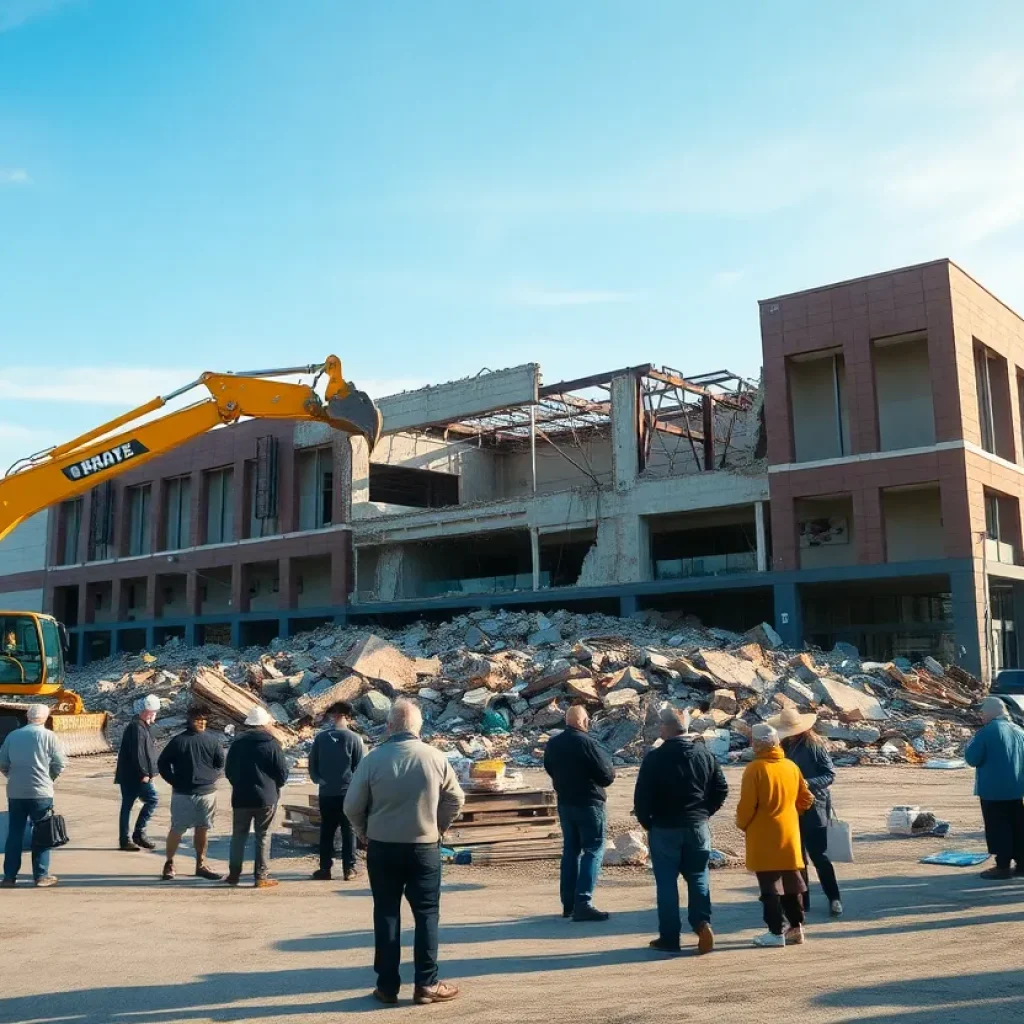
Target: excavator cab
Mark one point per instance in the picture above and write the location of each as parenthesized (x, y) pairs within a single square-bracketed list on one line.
[(32, 650)]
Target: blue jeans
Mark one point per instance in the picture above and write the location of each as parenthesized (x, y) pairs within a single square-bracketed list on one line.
[(19, 813), (582, 852), (681, 851), (130, 792)]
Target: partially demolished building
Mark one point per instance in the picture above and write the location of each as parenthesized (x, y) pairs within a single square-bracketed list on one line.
[(866, 491)]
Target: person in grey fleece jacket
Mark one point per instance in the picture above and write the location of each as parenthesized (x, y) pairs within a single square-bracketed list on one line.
[(31, 758), (402, 798)]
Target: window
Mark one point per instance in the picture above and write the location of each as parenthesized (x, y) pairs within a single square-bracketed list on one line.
[(992, 384), (417, 488), (101, 522), (1002, 528), (138, 499), (316, 489), (261, 473), (818, 406), (903, 387), (71, 527), (178, 512), (219, 511)]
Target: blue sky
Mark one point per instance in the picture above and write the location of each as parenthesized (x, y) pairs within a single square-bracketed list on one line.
[(428, 187)]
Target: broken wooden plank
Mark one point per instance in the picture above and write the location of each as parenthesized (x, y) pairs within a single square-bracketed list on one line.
[(219, 694)]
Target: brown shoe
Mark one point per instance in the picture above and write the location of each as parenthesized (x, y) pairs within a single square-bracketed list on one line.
[(705, 939), (46, 882), (349, 873), (168, 873), (233, 879), (129, 847), (205, 871), (442, 992), (266, 883), (384, 997)]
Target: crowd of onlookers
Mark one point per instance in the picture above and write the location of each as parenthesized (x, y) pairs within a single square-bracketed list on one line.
[(399, 800)]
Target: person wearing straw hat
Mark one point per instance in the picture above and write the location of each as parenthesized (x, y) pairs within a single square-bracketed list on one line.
[(804, 748), (136, 769), (257, 770), (773, 795)]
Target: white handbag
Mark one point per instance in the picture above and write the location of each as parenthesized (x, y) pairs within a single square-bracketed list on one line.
[(839, 840)]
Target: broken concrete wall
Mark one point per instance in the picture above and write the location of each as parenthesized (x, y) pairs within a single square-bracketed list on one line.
[(587, 465)]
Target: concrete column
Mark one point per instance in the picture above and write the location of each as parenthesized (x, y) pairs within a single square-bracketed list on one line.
[(762, 539), (236, 632), (150, 637), (192, 593), (1018, 620), (284, 627), (84, 528), (115, 641), (197, 509), (868, 526), (85, 615), (287, 493), (625, 400), (154, 599), (339, 572), (359, 474), (239, 498), (191, 634), (158, 515), (287, 585), (789, 614), (120, 600), (239, 588), (968, 625), (535, 556), (627, 606)]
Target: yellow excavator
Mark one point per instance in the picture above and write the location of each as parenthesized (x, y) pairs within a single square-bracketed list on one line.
[(32, 645)]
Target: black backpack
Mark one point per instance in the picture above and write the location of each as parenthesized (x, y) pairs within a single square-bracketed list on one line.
[(49, 832)]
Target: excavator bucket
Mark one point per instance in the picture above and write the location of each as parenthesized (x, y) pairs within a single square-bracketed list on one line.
[(82, 734), (356, 414)]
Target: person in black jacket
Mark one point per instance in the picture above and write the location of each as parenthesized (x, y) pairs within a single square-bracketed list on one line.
[(680, 786), (191, 764), (336, 753), (581, 770), (256, 770), (805, 749), (136, 769)]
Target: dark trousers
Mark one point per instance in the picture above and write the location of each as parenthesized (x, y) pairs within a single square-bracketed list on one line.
[(259, 819), (1004, 831), (682, 851), (412, 870), (332, 817), (19, 814), (815, 840), (582, 852), (776, 906), (130, 792)]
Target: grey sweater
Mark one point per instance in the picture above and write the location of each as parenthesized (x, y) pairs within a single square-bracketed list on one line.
[(31, 759), (403, 792)]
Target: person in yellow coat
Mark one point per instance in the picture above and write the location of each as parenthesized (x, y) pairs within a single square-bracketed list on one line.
[(773, 795)]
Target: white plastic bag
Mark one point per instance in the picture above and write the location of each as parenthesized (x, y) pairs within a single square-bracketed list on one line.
[(901, 820)]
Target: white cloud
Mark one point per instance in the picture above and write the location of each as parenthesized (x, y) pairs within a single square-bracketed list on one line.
[(14, 176), (16, 12), (532, 295), (112, 386)]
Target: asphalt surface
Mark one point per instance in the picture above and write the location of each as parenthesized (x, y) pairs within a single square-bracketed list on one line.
[(112, 944)]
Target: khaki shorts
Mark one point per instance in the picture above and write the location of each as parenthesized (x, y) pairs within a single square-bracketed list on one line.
[(192, 810)]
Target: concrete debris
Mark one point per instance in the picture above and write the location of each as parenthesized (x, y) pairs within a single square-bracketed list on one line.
[(526, 669), (628, 848)]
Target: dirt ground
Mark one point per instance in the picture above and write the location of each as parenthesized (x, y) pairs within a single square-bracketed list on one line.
[(111, 943)]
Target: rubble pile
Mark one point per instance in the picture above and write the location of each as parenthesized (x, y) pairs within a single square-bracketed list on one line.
[(496, 684)]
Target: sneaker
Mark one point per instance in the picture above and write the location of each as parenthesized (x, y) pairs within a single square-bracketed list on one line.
[(141, 839), (265, 883), (664, 946), (794, 936), (835, 908), (705, 939), (770, 941), (46, 882), (588, 912), (204, 871), (128, 846), (167, 874), (322, 875), (442, 992), (996, 874), (387, 998), (8, 883), (232, 879)]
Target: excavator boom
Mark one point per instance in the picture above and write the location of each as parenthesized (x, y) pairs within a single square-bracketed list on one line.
[(128, 440)]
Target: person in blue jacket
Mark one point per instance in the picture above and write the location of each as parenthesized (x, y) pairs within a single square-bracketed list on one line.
[(804, 748), (997, 755)]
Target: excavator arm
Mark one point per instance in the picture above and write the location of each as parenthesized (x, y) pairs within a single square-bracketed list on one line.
[(122, 443)]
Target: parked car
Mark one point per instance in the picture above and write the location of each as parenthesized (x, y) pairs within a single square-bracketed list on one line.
[(1008, 686)]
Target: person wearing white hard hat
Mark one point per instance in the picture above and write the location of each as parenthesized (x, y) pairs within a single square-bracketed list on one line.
[(257, 770), (136, 769), (31, 758), (804, 748)]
